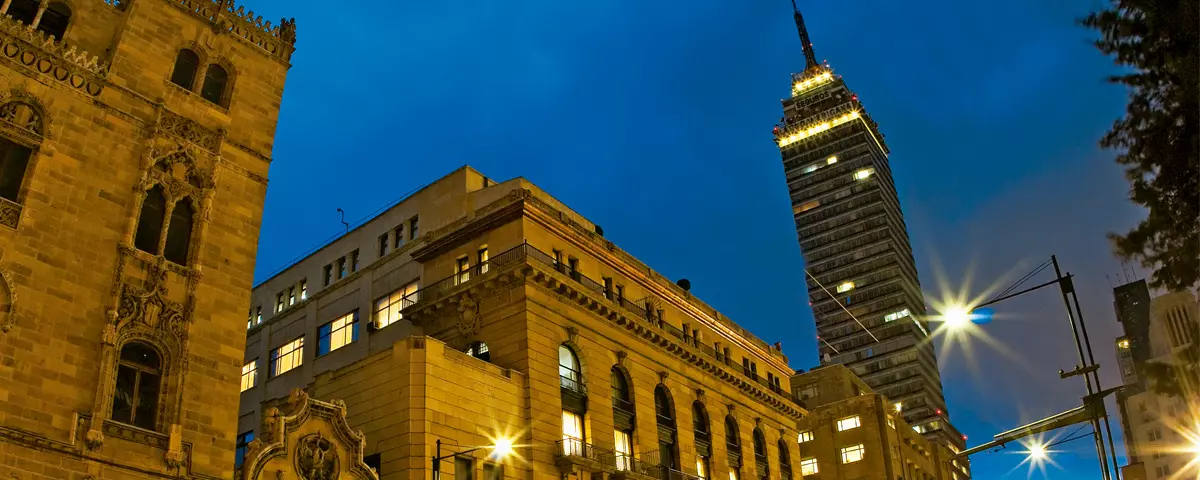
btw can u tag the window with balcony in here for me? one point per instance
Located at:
(623, 419)
(848, 423)
(338, 333)
(287, 357)
(462, 270)
(623, 449)
(572, 433)
(864, 173)
(664, 412)
(250, 375)
(388, 308)
(482, 256)
(853, 454)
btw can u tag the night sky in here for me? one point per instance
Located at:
(653, 119)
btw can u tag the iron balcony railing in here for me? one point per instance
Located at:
(623, 405)
(571, 383)
(626, 462)
(576, 447)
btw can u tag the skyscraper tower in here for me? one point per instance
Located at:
(862, 279)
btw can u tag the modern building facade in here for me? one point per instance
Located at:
(135, 140)
(861, 275)
(476, 310)
(1160, 431)
(852, 432)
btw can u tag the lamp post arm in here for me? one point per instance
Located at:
(1022, 292)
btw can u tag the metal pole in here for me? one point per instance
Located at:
(1096, 378)
(437, 461)
(1065, 287)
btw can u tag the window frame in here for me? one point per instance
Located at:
(400, 296)
(328, 331)
(295, 352)
(807, 462)
(241, 446)
(139, 370)
(848, 453)
(252, 372)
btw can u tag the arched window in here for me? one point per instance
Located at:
(23, 10)
(215, 78)
(568, 370)
(664, 412)
(179, 232)
(55, 19)
(623, 423)
(703, 435)
(732, 438)
(186, 64)
(150, 222)
(135, 400)
(785, 463)
(760, 444)
(479, 350)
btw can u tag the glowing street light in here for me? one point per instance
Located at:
(957, 316)
(899, 406)
(501, 448)
(1037, 452)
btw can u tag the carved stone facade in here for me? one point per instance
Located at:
(311, 442)
(119, 359)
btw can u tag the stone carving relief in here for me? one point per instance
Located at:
(311, 442)
(468, 315)
(316, 459)
(148, 309)
(182, 128)
(8, 303)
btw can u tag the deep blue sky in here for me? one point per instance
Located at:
(654, 120)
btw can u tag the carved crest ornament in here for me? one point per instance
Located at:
(468, 315)
(316, 458)
(149, 307)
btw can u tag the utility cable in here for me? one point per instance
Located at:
(864, 327)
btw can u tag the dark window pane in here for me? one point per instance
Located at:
(141, 355)
(55, 19)
(147, 400)
(323, 334)
(186, 64)
(23, 10)
(122, 410)
(214, 84)
(179, 232)
(463, 469)
(150, 221)
(13, 161)
(373, 461)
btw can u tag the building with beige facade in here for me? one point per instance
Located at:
(1161, 431)
(135, 139)
(851, 432)
(475, 310)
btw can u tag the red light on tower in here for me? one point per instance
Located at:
(939, 411)
(964, 438)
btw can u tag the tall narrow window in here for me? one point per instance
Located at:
(279, 303)
(462, 270)
(243, 444)
(398, 233)
(412, 228)
(250, 375)
(573, 267)
(383, 245)
(14, 159)
(483, 260)
(215, 79)
(135, 400)
(23, 10)
(568, 369)
(354, 261)
(288, 356)
(703, 436)
(304, 289)
(291, 296)
(338, 333)
(179, 232)
(623, 447)
(186, 64)
(785, 462)
(464, 468)
(664, 412)
(55, 20)
(623, 417)
(328, 275)
(572, 433)
(493, 471)
(341, 268)
(760, 454)
(150, 222)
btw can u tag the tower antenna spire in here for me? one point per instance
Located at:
(810, 57)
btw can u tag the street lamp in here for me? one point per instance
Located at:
(501, 447)
(1037, 452)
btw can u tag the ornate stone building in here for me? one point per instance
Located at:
(135, 139)
(475, 312)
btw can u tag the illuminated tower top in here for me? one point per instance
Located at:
(810, 57)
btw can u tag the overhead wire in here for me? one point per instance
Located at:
(827, 292)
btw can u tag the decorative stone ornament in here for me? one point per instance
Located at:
(312, 442)
(468, 315)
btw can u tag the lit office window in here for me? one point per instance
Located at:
(572, 433)
(304, 289)
(896, 315)
(853, 454)
(287, 357)
(848, 423)
(808, 466)
(250, 375)
(387, 309)
(338, 333)
(864, 173)
(804, 437)
(845, 287)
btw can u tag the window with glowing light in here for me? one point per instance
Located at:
(891, 422)
(864, 173)
(845, 287)
(388, 308)
(572, 433)
(853, 454)
(848, 423)
(891, 317)
(250, 375)
(806, 206)
(804, 437)
(287, 357)
(808, 466)
(338, 333)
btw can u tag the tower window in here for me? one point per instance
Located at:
(135, 400)
(186, 64)
(864, 173)
(845, 287)
(179, 232)
(215, 80)
(150, 222)
(55, 20)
